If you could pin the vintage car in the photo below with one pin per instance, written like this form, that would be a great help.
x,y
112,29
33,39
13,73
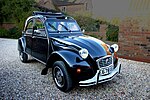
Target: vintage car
x,y
57,41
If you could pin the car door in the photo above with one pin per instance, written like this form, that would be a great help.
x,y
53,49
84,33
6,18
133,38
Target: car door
x,y
39,41
28,36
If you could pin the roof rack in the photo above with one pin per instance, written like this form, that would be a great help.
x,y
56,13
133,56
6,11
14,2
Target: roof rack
x,y
48,14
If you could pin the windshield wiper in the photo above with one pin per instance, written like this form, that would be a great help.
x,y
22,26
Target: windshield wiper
x,y
65,27
53,27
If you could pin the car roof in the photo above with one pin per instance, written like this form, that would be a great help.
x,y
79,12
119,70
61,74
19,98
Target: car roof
x,y
43,16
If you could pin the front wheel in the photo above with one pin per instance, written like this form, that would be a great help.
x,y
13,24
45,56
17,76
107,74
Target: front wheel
x,y
61,77
23,57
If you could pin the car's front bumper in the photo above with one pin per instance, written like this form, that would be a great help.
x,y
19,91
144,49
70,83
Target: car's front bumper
x,y
99,79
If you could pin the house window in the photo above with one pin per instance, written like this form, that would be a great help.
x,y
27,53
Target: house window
x,y
63,9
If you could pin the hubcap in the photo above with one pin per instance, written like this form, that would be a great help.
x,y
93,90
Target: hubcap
x,y
58,76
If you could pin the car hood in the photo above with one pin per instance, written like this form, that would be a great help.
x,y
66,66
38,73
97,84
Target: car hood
x,y
95,47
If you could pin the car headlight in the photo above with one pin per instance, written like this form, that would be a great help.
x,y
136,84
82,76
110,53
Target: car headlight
x,y
84,53
115,47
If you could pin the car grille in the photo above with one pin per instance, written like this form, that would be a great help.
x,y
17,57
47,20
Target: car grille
x,y
105,61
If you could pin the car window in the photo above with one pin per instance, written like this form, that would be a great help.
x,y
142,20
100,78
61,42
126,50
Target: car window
x,y
39,24
29,28
40,27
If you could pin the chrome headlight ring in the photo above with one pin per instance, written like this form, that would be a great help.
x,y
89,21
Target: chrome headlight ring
x,y
84,53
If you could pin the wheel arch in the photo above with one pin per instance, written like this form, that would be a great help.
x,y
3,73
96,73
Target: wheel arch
x,y
56,56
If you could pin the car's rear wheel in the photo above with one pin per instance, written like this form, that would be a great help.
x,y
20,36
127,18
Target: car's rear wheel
x,y
61,77
23,57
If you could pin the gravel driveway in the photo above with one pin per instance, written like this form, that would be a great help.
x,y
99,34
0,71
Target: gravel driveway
x,y
24,81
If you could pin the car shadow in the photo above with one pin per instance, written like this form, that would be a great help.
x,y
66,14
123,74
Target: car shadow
x,y
32,61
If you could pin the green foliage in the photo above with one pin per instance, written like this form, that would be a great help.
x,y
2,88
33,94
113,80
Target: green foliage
x,y
14,33
112,33
16,11
11,33
87,23
90,25
4,33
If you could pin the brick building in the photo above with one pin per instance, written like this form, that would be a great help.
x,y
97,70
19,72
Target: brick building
x,y
70,6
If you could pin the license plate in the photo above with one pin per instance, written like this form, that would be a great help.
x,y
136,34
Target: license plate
x,y
104,71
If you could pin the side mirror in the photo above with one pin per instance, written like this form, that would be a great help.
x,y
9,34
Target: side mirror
x,y
83,30
37,31
115,47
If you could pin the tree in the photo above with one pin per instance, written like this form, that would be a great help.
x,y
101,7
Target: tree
x,y
1,17
16,10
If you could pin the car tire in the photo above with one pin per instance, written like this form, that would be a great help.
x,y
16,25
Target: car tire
x,y
23,57
61,77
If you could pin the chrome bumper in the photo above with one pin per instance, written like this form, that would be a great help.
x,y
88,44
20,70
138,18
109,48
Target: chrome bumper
x,y
99,79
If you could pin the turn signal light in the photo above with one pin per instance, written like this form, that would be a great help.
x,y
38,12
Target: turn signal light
x,y
78,70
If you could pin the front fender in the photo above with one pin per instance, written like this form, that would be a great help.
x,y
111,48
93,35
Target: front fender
x,y
73,61
70,58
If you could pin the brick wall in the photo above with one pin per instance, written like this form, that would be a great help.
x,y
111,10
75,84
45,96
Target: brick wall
x,y
134,41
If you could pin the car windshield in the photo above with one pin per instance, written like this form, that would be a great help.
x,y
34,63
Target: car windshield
x,y
62,25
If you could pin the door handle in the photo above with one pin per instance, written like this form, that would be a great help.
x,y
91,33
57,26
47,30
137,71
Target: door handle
x,y
33,36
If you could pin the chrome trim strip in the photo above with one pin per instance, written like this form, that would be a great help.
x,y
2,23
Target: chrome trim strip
x,y
39,60
100,79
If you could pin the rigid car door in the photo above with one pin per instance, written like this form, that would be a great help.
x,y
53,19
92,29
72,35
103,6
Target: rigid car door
x,y
39,41
28,36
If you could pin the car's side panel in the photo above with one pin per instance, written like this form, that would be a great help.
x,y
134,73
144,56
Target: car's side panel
x,y
28,39
40,48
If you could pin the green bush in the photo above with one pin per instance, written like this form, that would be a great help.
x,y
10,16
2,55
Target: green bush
x,y
16,11
112,33
4,33
14,33
87,23
11,33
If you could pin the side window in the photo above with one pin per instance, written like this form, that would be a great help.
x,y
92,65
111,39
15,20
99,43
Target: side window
x,y
29,28
40,28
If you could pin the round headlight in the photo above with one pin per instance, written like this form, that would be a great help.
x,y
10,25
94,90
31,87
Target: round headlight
x,y
84,53
115,47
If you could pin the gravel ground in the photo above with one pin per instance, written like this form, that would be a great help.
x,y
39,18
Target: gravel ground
x,y
24,81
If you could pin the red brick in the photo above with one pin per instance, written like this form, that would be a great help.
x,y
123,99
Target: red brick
x,y
133,41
